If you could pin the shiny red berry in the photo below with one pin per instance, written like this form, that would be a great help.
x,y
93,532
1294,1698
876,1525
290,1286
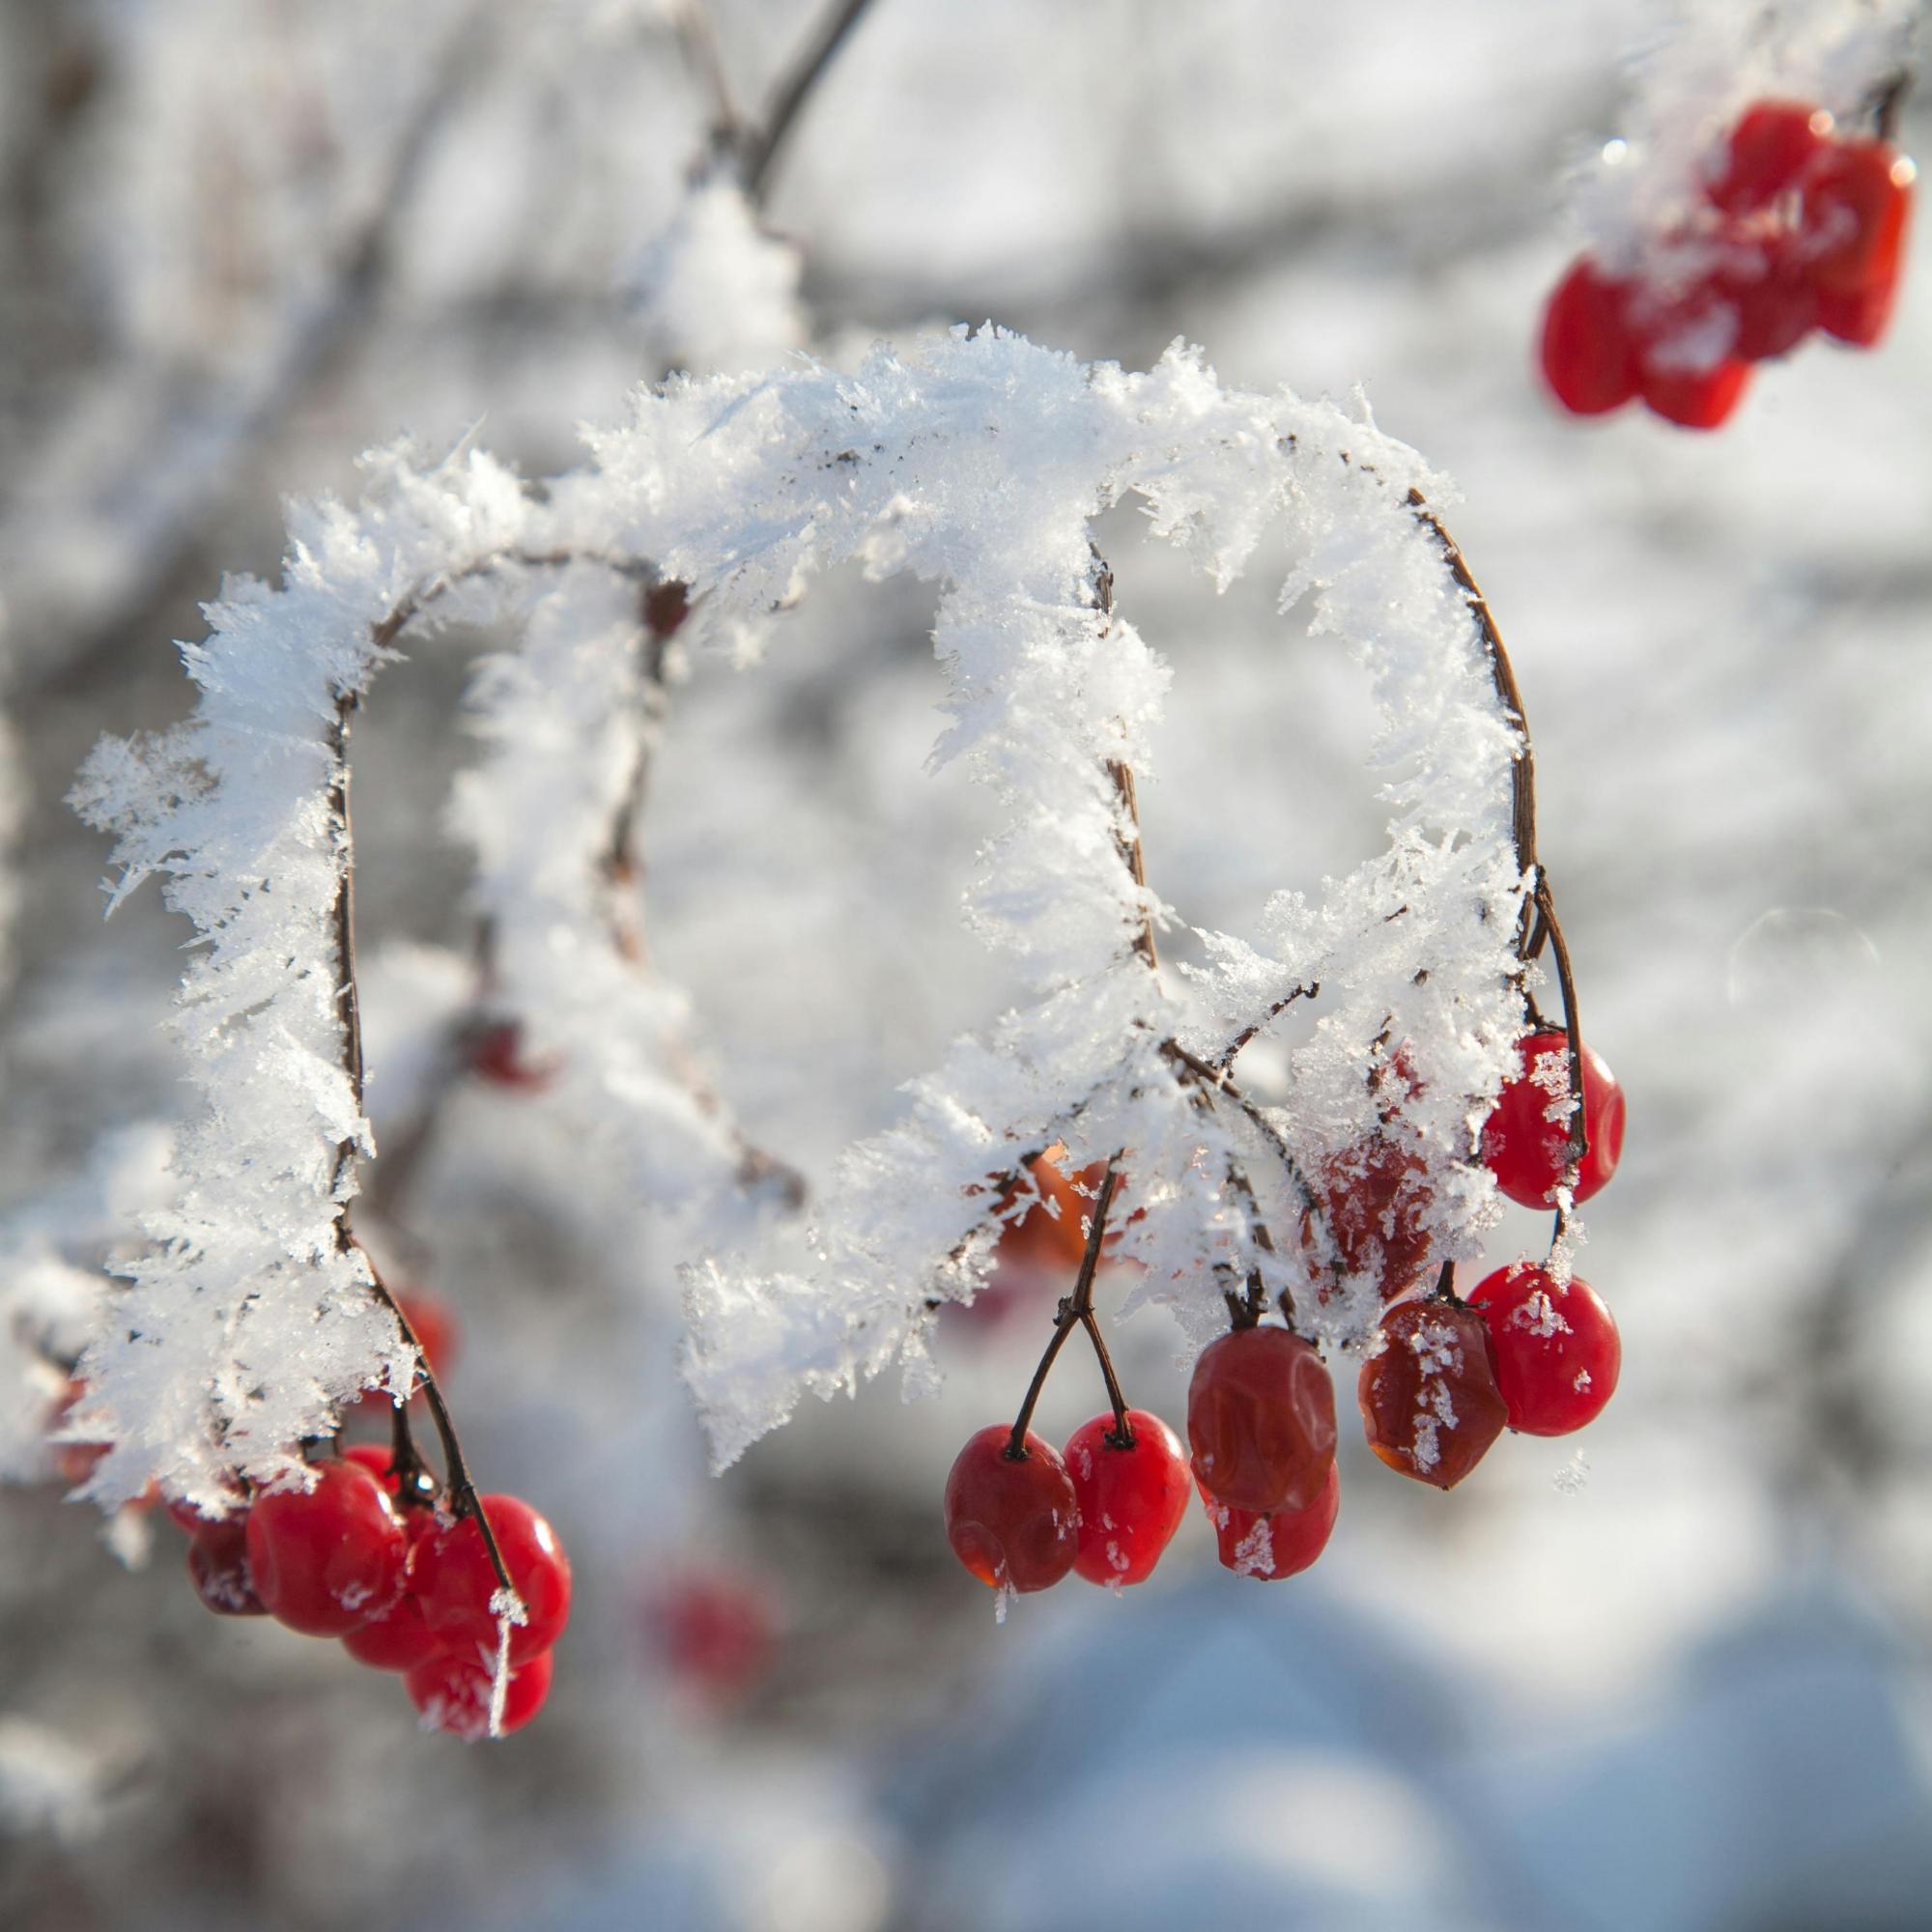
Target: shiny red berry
x,y
1260,1420
453,1695
1427,1391
1768,151
326,1559
1131,1499
1857,199
218,1566
1527,1150
1013,1521
378,1461
1375,1199
454,1582
1283,1543
1587,352
395,1639
1556,1348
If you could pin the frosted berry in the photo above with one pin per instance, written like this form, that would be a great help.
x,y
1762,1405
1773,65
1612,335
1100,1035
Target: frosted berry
x,y
1527,1150
1769,150
453,1695
1557,1351
73,1462
1374,1197
453,1581
1011,1520
1281,1544
218,1566
1427,1391
1131,1499
1048,1236
1260,1420
1587,352
326,1559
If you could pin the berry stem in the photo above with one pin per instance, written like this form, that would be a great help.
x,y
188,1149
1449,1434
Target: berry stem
x,y
1076,1309
1887,100
1579,1133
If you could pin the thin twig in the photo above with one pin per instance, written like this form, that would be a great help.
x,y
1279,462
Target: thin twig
x,y
789,96
1232,1052
698,43
1523,772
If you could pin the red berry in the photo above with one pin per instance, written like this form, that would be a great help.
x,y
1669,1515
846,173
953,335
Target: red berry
x,y
375,1457
73,1462
1858,198
1556,1348
1131,1500
1527,1150
1427,1391
453,1695
326,1559
1697,398
1861,319
1013,1521
1260,1420
1049,1235
1283,1543
1374,1197
397,1639
218,1566
1770,287
715,1632
453,1580
497,1055
1588,354
1769,150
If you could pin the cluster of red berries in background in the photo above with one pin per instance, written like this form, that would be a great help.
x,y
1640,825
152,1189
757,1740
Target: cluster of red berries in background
x,y
1533,1349
367,1557
1800,229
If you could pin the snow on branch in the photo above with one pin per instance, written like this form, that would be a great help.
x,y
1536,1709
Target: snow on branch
x,y
975,462
979,462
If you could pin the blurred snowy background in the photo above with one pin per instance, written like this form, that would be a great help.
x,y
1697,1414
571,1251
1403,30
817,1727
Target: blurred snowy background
x,y
1675,1681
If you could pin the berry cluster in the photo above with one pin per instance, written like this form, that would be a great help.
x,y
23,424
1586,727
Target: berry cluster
x,y
372,1554
1799,229
377,1553
1533,1349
